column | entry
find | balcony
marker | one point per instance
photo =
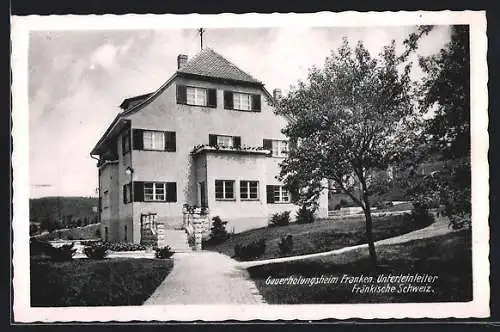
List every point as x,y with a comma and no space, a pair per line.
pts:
226,149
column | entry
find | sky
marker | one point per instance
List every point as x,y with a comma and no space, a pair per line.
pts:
78,79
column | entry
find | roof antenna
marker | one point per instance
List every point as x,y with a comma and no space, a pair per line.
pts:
201,31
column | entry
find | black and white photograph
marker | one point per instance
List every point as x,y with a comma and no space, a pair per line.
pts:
255,166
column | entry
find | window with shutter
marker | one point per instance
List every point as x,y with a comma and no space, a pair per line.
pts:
181,94
138,190
270,193
256,103
138,140
171,192
212,98
170,141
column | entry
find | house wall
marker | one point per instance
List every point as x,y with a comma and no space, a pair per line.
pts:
109,202
192,125
125,210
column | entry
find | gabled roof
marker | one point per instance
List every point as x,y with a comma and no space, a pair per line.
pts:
208,63
134,100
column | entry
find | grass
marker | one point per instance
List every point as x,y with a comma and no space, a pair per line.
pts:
320,236
86,282
449,257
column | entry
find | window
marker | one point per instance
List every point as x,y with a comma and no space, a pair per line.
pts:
224,140
224,189
278,148
249,189
154,191
154,140
126,142
190,95
242,101
277,194
196,96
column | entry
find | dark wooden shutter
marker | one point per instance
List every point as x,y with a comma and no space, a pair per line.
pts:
170,141
256,103
212,140
138,191
228,100
181,94
138,140
124,194
171,191
212,97
267,144
270,193
237,141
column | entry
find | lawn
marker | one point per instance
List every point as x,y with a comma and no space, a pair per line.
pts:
322,235
449,257
86,282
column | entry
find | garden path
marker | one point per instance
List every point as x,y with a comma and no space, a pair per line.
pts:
205,278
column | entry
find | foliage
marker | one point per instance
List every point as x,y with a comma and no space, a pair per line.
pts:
420,215
96,251
286,245
218,232
164,253
280,219
305,215
192,209
33,229
124,246
349,121
60,254
249,251
38,247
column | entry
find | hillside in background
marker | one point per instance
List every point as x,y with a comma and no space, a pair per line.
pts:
64,212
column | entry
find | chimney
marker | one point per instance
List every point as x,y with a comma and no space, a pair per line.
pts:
277,94
181,60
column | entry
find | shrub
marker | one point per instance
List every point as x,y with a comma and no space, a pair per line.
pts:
280,219
61,254
124,246
304,215
164,252
252,250
38,247
420,215
286,245
218,232
96,251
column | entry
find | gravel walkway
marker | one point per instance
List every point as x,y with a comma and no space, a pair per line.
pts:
205,278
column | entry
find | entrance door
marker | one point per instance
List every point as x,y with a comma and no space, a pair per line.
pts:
202,194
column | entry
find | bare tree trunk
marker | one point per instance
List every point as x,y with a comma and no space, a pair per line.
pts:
369,225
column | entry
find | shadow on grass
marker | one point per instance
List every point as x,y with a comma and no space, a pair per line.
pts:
449,257
85,282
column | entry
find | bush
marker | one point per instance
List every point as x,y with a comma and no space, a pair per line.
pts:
420,215
304,215
280,219
218,233
164,252
124,246
60,254
38,247
252,250
286,245
96,251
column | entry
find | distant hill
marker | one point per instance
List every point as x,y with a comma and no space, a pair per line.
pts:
63,209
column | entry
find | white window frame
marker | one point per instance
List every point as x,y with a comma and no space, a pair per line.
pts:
200,96
280,193
225,191
279,148
152,191
152,142
221,138
246,185
238,98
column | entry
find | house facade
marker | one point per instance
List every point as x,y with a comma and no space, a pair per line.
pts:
207,137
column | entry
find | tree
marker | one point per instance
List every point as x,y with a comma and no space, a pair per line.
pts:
351,119
445,93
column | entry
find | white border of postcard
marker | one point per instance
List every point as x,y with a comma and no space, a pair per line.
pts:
479,307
